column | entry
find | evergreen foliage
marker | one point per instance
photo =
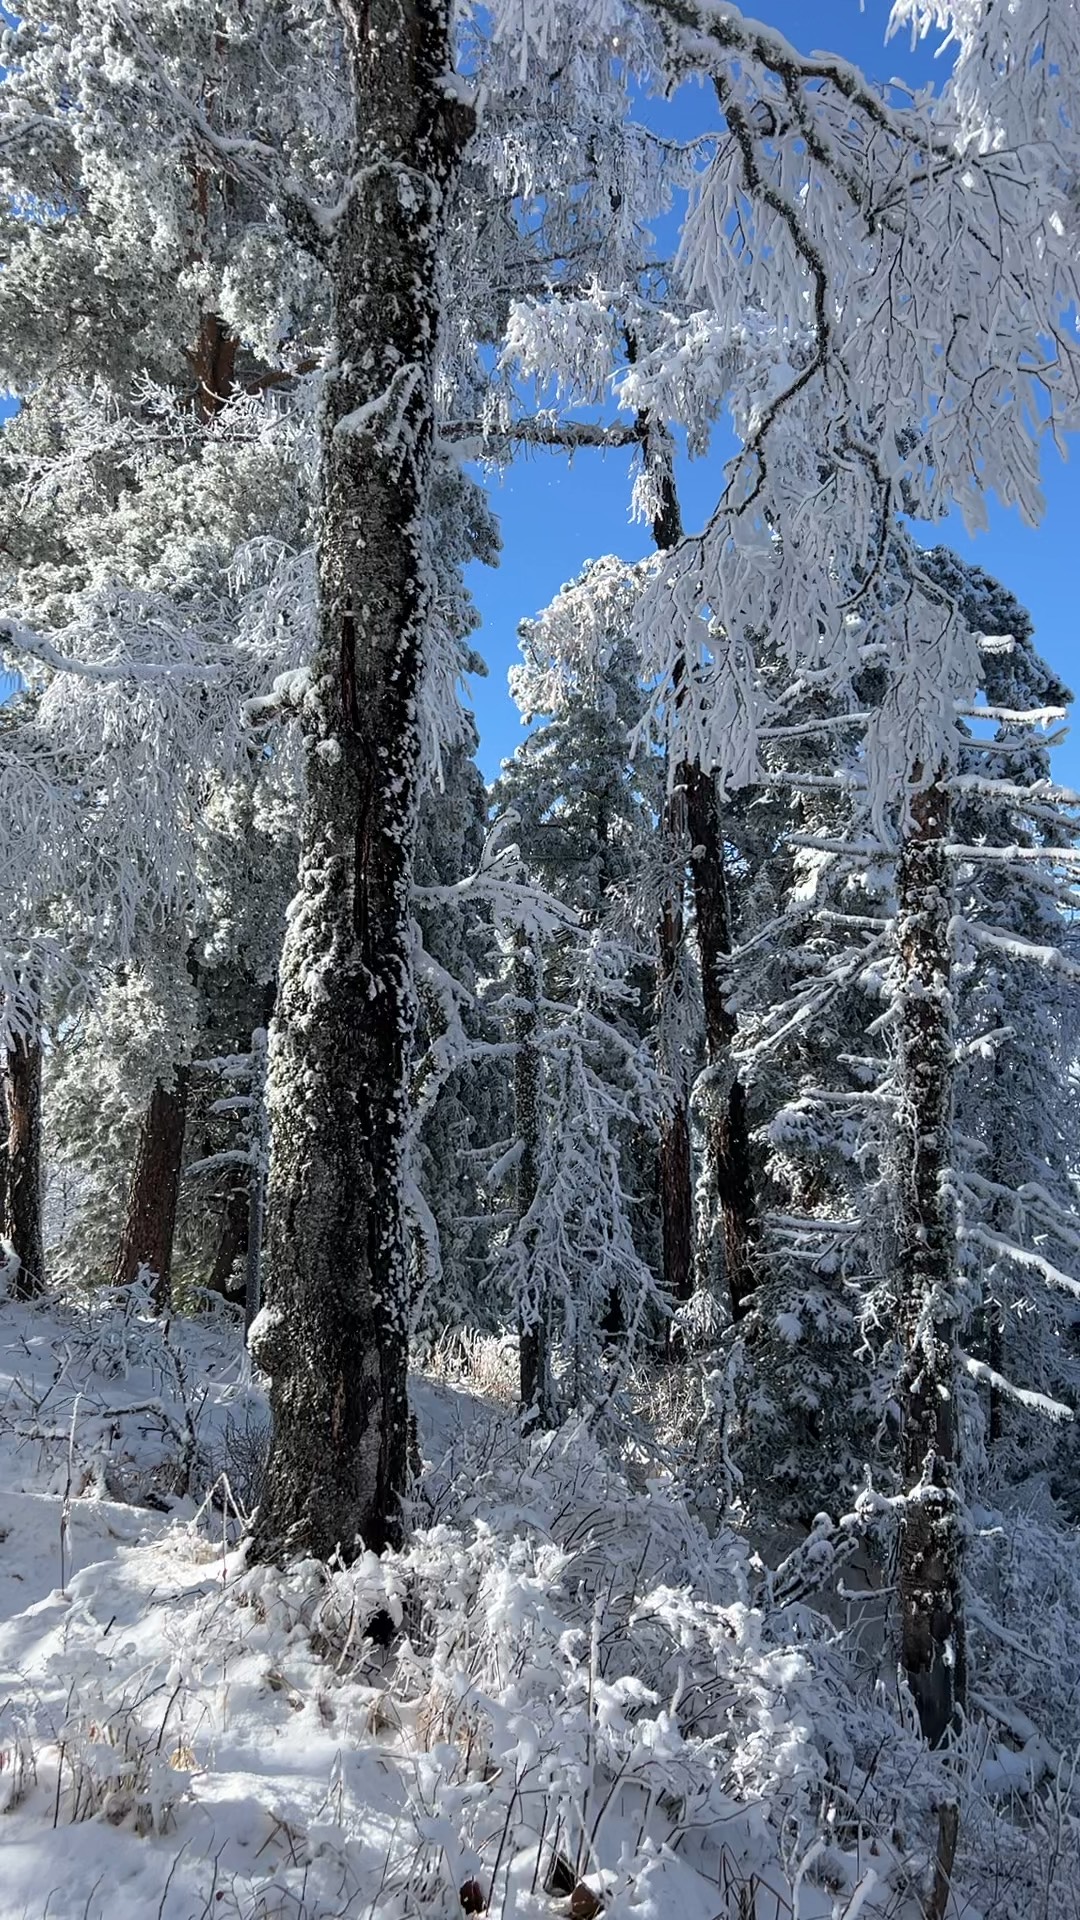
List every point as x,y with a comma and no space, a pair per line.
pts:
774,903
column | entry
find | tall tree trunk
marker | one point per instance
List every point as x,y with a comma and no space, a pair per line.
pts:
675,1159
536,1385
993,1304
232,1241
693,815
23,1184
333,1334
931,1612
213,360
724,1111
150,1221
677,1199
214,366
675,1168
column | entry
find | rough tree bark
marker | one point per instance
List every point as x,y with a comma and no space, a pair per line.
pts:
150,1220
22,1222
260,1156
931,1608
333,1332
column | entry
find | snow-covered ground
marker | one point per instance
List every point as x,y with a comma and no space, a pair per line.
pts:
167,1743
583,1710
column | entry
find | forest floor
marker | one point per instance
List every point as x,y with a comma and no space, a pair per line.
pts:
584,1710
155,1757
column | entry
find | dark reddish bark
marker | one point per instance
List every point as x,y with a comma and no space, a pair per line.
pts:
150,1222
213,360
931,1547
214,366
23,1181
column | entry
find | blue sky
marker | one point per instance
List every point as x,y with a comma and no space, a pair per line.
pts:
556,515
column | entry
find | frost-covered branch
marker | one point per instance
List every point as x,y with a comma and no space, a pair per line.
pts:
33,646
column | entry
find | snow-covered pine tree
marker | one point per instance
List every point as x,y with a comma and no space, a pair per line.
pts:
948,895
1016,1147
694,836
583,338
971,884
137,493
179,825
567,1266
457,1096
459,1102
118,1034
584,793
579,1270
227,211
928,1313
811,933
42,815
789,553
